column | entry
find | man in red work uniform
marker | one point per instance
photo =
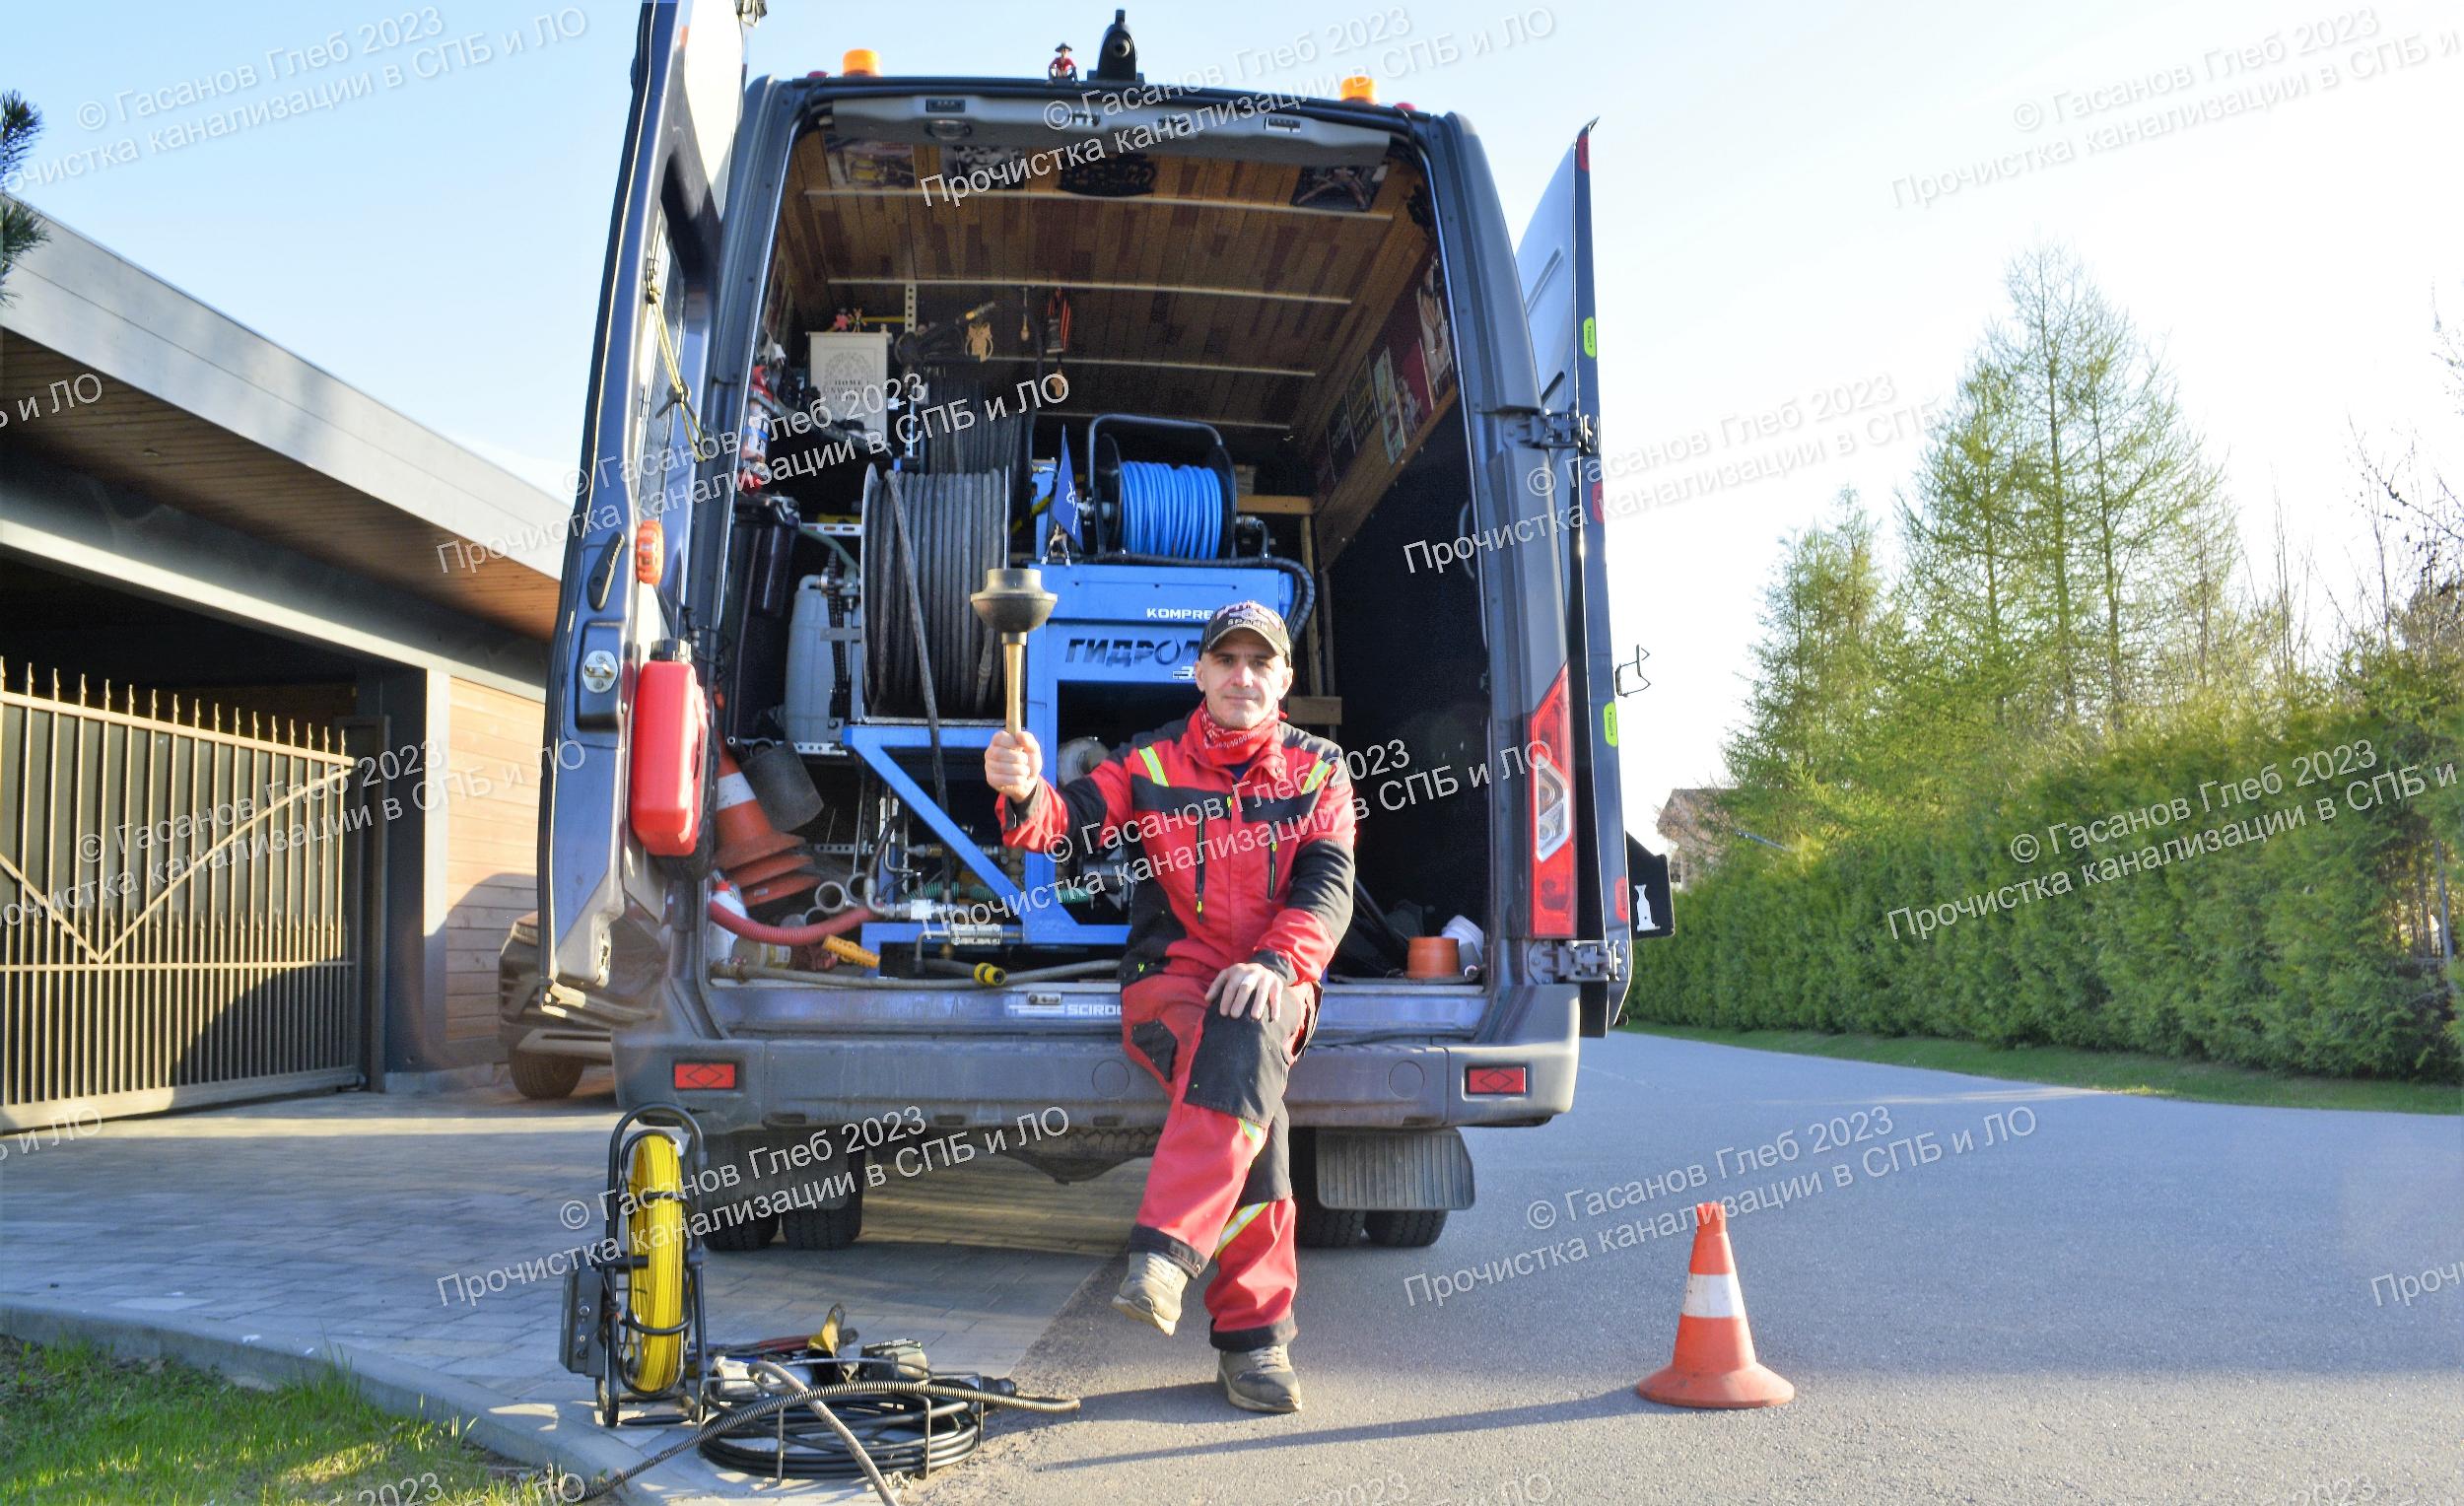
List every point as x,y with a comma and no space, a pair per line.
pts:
1245,824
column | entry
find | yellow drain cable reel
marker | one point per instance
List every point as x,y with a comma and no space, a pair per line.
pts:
633,1311
633,1321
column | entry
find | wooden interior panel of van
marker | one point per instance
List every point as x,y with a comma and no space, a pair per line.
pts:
1214,297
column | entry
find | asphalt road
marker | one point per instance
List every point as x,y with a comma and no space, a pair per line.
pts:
2136,1300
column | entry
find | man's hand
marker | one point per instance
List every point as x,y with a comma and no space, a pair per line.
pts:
1244,986
1013,765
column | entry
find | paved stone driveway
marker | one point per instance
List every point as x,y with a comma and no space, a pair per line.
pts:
335,1218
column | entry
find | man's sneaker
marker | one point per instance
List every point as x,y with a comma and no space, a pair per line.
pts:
1261,1380
1152,1291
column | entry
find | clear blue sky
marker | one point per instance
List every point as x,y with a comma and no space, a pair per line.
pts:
438,243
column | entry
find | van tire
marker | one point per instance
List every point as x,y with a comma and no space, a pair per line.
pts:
825,1228
1325,1228
538,1077
742,1235
1407,1228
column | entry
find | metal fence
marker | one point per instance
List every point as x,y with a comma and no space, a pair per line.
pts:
180,905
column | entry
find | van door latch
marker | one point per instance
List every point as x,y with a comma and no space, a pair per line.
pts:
1571,430
1579,961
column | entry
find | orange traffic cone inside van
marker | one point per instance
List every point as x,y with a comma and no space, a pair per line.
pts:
766,863
1714,1364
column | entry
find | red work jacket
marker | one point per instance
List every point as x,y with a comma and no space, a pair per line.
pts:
1253,868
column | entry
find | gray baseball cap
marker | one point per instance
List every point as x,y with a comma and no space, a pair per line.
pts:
1247,616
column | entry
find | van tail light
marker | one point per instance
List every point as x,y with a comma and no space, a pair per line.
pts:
704,1077
1479,1081
670,724
1553,814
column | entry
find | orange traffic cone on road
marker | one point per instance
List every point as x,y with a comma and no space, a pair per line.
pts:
1714,1364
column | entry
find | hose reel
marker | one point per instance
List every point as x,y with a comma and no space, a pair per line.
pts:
633,1311
960,525
1177,498
1171,510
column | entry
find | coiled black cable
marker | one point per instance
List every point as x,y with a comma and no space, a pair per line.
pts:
860,1435
836,1446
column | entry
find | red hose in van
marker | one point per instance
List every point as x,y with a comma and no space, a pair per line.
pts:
788,935
670,724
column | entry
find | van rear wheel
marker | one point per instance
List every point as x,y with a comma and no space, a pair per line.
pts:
735,1236
825,1228
539,1076
1407,1228
1323,1228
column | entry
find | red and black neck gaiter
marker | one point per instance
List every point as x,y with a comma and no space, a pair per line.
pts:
1228,747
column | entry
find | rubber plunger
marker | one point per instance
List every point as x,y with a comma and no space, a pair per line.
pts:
1013,603
1714,1364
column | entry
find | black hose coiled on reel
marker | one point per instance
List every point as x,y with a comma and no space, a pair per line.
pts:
959,526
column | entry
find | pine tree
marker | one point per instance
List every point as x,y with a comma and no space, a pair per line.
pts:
2069,528
1802,764
20,229
2052,318
2159,545
1970,582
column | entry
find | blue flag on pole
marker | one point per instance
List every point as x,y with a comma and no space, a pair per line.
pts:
1065,494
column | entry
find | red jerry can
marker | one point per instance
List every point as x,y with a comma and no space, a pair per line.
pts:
670,722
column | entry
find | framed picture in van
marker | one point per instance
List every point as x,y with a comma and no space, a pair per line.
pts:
871,163
1436,346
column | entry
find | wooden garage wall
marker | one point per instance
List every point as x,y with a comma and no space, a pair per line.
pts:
492,843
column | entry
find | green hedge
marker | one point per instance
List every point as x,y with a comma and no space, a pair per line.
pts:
2280,953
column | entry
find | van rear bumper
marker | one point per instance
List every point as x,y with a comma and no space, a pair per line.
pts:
988,1080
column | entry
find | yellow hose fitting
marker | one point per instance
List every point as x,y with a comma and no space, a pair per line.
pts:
848,951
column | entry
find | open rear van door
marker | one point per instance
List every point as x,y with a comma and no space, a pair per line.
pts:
1555,262
600,896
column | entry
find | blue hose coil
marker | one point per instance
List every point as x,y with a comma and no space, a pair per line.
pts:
1171,510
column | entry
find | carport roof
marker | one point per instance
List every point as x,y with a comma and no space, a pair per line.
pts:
215,420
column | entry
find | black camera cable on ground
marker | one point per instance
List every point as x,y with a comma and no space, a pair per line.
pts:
904,1420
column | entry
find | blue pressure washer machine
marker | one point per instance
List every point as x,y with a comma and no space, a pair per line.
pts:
1138,562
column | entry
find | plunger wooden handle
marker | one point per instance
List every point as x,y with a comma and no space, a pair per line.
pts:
1013,669
1013,603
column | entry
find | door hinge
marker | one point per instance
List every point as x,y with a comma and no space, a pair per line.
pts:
1579,961
1549,430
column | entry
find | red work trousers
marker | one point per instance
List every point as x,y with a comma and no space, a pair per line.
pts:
1221,1184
